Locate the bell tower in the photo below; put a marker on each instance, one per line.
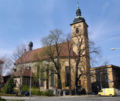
(81, 47)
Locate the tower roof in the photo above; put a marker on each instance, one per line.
(78, 17)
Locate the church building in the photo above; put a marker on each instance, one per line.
(43, 69)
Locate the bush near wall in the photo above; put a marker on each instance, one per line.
(25, 88)
(9, 86)
(48, 93)
(36, 91)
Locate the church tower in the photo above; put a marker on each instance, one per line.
(81, 47)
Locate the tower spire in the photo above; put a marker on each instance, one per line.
(77, 4)
(78, 11)
(78, 17)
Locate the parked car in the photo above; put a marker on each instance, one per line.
(108, 92)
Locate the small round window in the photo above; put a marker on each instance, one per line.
(77, 30)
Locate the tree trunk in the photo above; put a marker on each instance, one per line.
(59, 81)
(47, 85)
(76, 80)
(70, 77)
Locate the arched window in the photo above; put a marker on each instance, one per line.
(77, 30)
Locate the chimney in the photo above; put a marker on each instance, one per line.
(30, 45)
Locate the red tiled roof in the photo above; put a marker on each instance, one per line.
(1, 61)
(34, 55)
(26, 73)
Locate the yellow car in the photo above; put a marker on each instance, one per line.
(108, 92)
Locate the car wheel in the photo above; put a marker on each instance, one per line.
(99, 95)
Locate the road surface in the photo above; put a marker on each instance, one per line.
(66, 98)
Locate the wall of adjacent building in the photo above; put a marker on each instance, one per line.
(109, 77)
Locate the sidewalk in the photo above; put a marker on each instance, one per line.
(33, 97)
(80, 96)
(16, 98)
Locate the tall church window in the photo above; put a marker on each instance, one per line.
(42, 77)
(67, 76)
(52, 78)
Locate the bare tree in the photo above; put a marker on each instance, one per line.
(1, 63)
(1, 68)
(53, 50)
(82, 52)
(17, 55)
(70, 50)
(7, 65)
(95, 53)
(18, 52)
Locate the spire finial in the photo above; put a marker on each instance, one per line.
(78, 11)
(78, 17)
(77, 4)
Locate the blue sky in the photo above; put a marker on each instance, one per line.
(22, 21)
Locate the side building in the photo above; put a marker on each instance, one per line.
(105, 77)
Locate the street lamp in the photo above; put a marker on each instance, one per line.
(30, 80)
(112, 49)
(30, 45)
(115, 49)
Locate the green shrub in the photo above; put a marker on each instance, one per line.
(35, 91)
(48, 93)
(25, 88)
(2, 90)
(9, 86)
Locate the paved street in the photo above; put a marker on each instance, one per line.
(67, 98)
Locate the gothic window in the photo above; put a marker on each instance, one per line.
(42, 77)
(52, 78)
(38, 71)
(67, 76)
